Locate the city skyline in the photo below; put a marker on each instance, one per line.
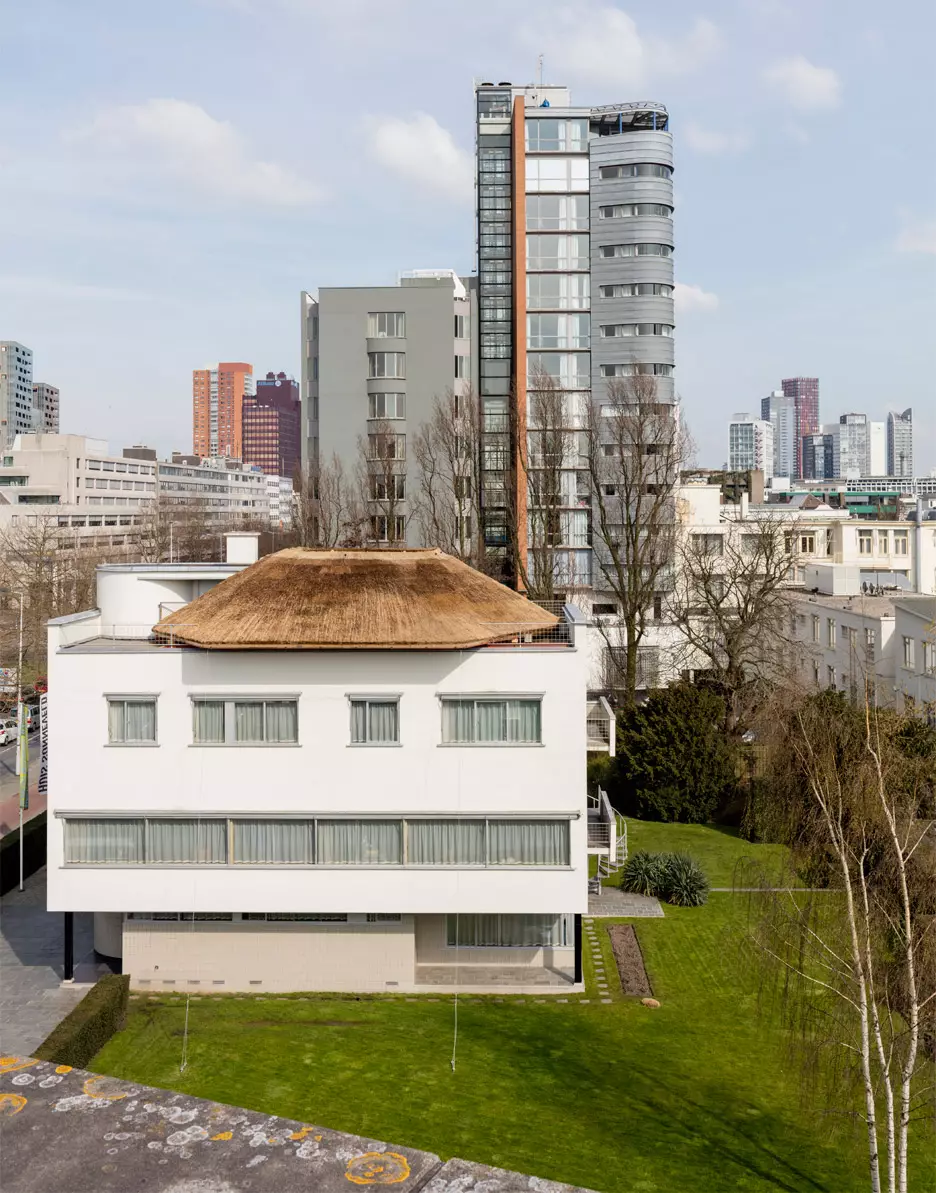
(149, 172)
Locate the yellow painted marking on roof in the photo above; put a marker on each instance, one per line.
(378, 1168)
(11, 1104)
(223, 1135)
(9, 1064)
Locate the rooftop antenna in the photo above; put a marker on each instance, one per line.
(539, 70)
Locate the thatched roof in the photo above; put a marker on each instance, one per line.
(302, 599)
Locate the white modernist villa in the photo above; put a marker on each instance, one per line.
(326, 770)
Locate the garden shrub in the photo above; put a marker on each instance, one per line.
(674, 877)
(84, 1032)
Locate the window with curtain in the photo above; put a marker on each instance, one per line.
(112, 841)
(375, 722)
(195, 841)
(273, 842)
(360, 842)
(468, 721)
(445, 842)
(131, 721)
(509, 931)
(245, 722)
(528, 842)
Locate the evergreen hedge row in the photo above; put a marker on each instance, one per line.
(84, 1032)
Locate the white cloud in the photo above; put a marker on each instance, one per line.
(600, 45)
(693, 298)
(173, 138)
(707, 140)
(422, 151)
(803, 86)
(917, 236)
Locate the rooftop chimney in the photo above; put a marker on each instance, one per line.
(242, 546)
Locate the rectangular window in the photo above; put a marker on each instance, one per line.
(557, 213)
(360, 842)
(528, 843)
(386, 447)
(388, 488)
(815, 629)
(131, 721)
(557, 252)
(509, 931)
(570, 370)
(461, 327)
(900, 542)
(807, 544)
(864, 542)
(386, 405)
(558, 291)
(556, 174)
(909, 653)
(375, 721)
(556, 136)
(484, 721)
(870, 643)
(198, 842)
(105, 842)
(882, 542)
(386, 325)
(558, 331)
(244, 722)
(830, 631)
(273, 842)
(462, 367)
(445, 842)
(929, 658)
(709, 544)
(386, 364)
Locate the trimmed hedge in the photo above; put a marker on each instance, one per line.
(674, 877)
(84, 1032)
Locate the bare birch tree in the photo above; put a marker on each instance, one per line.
(730, 602)
(382, 483)
(636, 448)
(854, 970)
(446, 489)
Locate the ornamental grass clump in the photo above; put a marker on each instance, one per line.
(674, 877)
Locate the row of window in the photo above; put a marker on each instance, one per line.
(634, 370)
(637, 170)
(616, 330)
(550, 136)
(617, 211)
(116, 466)
(288, 917)
(314, 841)
(92, 482)
(637, 250)
(867, 541)
(375, 720)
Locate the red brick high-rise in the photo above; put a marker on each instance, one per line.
(805, 394)
(218, 394)
(271, 426)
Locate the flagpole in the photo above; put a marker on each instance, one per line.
(19, 736)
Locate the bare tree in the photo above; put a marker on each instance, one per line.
(446, 490)
(636, 448)
(730, 602)
(327, 512)
(854, 970)
(382, 483)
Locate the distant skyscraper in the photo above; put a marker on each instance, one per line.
(849, 446)
(816, 453)
(900, 444)
(217, 408)
(46, 403)
(877, 449)
(805, 393)
(751, 445)
(271, 426)
(780, 411)
(17, 412)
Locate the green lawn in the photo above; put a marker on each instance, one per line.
(719, 849)
(695, 1096)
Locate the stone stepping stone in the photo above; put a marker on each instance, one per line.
(607, 1001)
(562, 1000)
(584, 1001)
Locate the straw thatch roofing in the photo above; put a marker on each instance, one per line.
(302, 599)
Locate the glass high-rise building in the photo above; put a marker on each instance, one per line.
(900, 444)
(805, 394)
(575, 282)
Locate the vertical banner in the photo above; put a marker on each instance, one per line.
(22, 756)
(44, 744)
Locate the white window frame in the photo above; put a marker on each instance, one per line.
(488, 699)
(229, 719)
(133, 698)
(368, 700)
(386, 325)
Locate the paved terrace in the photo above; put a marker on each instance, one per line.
(71, 1130)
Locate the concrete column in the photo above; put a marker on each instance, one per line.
(108, 933)
(69, 959)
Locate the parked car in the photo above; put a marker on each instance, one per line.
(32, 717)
(8, 730)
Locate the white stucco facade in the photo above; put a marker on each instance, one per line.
(103, 654)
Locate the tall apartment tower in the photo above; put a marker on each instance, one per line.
(900, 444)
(877, 449)
(46, 404)
(751, 445)
(271, 425)
(17, 412)
(218, 393)
(780, 411)
(374, 361)
(575, 277)
(850, 446)
(805, 394)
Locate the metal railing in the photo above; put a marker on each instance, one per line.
(598, 733)
(122, 637)
(506, 635)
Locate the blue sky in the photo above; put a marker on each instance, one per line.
(173, 175)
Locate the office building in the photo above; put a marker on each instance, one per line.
(751, 445)
(271, 426)
(575, 278)
(816, 457)
(223, 491)
(218, 393)
(850, 446)
(375, 359)
(279, 491)
(780, 411)
(877, 449)
(416, 861)
(805, 394)
(900, 444)
(17, 410)
(46, 407)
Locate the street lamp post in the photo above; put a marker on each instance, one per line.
(21, 762)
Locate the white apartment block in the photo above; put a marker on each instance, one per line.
(280, 500)
(915, 653)
(751, 445)
(846, 643)
(345, 771)
(222, 489)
